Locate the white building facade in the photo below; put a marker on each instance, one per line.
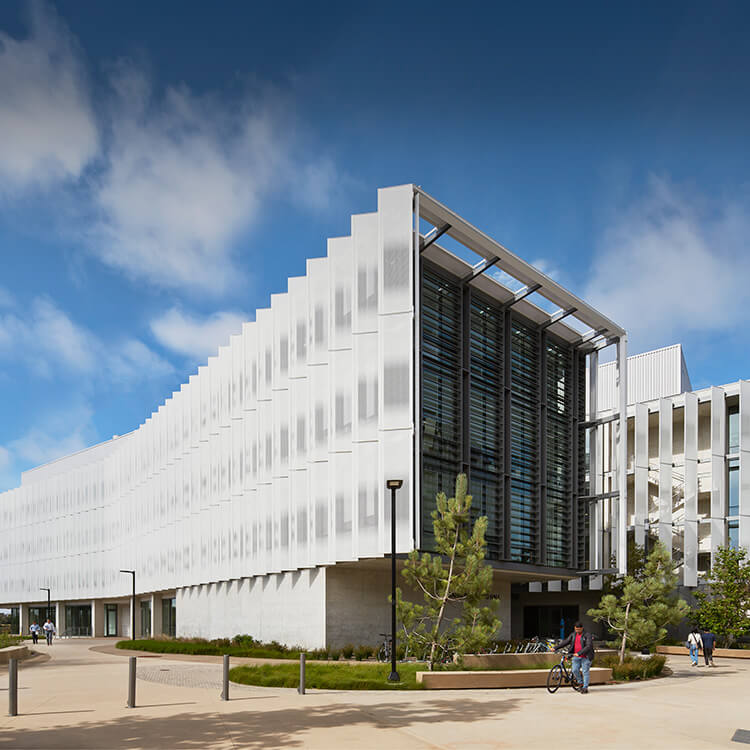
(253, 500)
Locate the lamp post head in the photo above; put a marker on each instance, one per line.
(394, 484)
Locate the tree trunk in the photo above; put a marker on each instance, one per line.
(436, 637)
(624, 634)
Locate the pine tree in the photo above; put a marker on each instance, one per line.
(723, 606)
(457, 576)
(644, 605)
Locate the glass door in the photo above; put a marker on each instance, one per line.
(145, 619)
(110, 619)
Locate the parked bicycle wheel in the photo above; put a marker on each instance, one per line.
(384, 655)
(554, 678)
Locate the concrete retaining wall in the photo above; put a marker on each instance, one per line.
(497, 679)
(508, 661)
(13, 652)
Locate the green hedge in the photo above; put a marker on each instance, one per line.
(329, 676)
(217, 647)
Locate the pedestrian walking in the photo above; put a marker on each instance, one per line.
(49, 630)
(709, 640)
(694, 644)
(34, 630)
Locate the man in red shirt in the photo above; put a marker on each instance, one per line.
(581, 648)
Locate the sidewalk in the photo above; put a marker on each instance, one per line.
(76, 699)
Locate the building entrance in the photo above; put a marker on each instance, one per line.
(77, 619)
(548, 621)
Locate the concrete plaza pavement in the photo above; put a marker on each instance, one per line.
(76, 699)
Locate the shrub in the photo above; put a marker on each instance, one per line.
(362, 653)
(318, 653)
(633, 668)
(347, 651)
(244, 640)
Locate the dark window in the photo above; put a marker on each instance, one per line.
(524, 418)
(733, 429)
(486, 419)
(559, 400)
(733, 485)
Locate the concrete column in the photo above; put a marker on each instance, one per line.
(718, 470)
(23, 619)
(690, 564)
(155, 615)
(621, 452)
(665, 473)
(745, 464)
(60, 618)
(97, 618)
(641, 473)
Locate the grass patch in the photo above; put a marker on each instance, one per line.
(329, 676)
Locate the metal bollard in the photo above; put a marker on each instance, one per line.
(131, 683)
(12, 687)
(301, 688)
(225, 679)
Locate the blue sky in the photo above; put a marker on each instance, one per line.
(164, 169)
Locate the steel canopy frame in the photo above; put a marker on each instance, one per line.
(497, 255)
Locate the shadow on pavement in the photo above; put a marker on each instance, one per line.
(278, 728)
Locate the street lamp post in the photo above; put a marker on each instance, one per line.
(393, 485)
(42, 588)
(132, 605)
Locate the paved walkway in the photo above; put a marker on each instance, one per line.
(77, 700)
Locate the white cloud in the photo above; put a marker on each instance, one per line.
(48, 127)
(194, 337)
(178, 180)
(49, 343)
(185, 177)
(673, 264)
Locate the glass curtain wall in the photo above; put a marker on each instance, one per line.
(525, 488)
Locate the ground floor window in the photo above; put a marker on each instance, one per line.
(146, 619)
(77, 619)
(169, 616)
(549, 621)
(15, 621)
(110, 619)
(39, 615)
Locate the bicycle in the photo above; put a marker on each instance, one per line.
(384, 653)
(560, 674)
